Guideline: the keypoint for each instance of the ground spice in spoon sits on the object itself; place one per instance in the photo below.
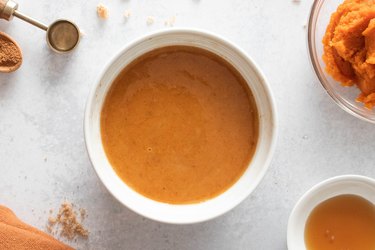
(10, 55)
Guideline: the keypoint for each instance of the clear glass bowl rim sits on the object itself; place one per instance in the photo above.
(340, 101)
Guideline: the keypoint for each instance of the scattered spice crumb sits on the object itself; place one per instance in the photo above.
(66, 222)
(102, 11)
(45, 158)
(83, 213)
(170, 22)
(296, 1)
(150, 20)
(127, 14)
(52, 220)
(49, 229)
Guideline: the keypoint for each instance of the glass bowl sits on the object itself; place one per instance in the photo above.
(345, 97)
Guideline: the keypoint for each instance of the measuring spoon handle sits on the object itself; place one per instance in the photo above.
(7, 8)
(30, 20)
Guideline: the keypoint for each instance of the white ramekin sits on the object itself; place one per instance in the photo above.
(345, 184)
(192, 213)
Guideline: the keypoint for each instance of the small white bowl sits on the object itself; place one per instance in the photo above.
(346, 184)
(192, 213)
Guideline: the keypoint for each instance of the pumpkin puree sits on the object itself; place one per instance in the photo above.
(349, 47)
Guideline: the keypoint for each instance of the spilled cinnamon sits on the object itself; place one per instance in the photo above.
(67, 222)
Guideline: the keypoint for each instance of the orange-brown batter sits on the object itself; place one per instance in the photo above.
(349, 47)
(179, 125)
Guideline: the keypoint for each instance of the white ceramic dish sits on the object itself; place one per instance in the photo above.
(346, 184)
(192, 213)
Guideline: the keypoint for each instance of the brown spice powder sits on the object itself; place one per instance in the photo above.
(9, 53)
(66, 222)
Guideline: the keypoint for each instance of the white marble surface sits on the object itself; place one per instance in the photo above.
(43, 159)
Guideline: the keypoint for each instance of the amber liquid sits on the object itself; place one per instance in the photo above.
(179, 125)
(345, 222)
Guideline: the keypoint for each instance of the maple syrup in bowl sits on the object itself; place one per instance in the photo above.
(341, 222)
(338, 213)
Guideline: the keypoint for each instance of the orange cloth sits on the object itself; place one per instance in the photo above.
(16, 235)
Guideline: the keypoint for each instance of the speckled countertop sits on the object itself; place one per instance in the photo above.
(43, 159)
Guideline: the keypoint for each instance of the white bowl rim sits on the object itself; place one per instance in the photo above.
(321, 186)
(234, 47)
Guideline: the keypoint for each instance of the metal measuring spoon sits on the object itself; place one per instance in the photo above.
(62, 35)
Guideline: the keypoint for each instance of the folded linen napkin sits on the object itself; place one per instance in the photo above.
(16, 235)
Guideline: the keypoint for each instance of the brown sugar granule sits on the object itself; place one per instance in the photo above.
(102, 11)
(150, 20)
(9, 53)
(50, 229)
(52, 220)
(170, 22)
(67, 223)
(127, 14)
(83, 213)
